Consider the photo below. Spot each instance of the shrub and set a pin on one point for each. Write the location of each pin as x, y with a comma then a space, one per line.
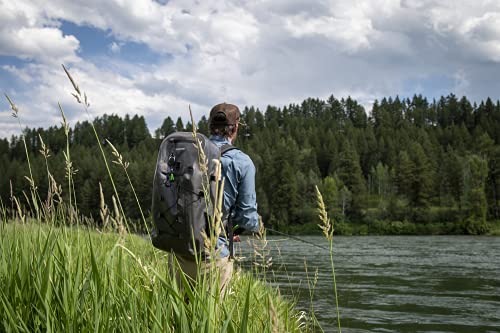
474, 226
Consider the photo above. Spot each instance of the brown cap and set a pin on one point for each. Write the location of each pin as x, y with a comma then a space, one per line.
224, 114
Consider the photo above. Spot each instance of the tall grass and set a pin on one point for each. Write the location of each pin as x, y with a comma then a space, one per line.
327, 228
81, 98
30, 178
113, 283
59, 275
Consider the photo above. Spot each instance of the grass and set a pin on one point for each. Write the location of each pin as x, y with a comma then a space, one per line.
68, 279
327, 227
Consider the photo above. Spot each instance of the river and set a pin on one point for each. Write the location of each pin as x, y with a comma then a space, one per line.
391, 283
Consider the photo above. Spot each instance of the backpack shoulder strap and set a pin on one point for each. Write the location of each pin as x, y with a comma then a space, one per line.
224, 149
227, 147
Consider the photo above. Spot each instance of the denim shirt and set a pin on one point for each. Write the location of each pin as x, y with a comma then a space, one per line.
240, 199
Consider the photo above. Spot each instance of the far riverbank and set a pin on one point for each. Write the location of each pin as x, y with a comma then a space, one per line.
390, 228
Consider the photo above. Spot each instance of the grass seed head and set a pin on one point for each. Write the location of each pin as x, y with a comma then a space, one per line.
22, 217
55, 189
103, 209
15, 109
31, 181
64, 123
80, 98
75, 86
45, 150
325, 225
118, 218
119, 158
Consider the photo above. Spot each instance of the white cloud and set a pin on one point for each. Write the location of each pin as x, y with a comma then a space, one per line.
26, 34
481, 33
9, 126
350, 33
43, 44
249, 52
472, 27
20, 74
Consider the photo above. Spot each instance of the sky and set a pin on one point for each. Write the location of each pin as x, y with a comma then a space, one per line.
157, 58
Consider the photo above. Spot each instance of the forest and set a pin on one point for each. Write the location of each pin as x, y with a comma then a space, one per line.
409, 166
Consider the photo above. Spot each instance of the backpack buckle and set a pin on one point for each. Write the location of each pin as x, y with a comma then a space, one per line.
169, 179
171, 160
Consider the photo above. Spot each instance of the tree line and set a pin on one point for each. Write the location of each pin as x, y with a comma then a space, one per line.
409, 166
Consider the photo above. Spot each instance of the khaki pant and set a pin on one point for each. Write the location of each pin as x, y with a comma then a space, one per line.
223, 267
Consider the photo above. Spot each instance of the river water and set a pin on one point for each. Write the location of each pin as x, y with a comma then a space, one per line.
391, 283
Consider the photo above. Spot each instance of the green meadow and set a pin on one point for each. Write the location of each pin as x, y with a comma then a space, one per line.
71, 279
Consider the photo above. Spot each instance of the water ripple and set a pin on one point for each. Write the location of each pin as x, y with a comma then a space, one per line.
393, 284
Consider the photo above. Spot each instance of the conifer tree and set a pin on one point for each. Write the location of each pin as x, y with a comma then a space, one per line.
421, 189
167, 127
349, 172
179, 125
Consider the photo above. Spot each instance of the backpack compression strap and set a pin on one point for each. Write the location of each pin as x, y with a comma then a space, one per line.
224, 149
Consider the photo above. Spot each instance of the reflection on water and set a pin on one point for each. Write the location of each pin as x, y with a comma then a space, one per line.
393, 284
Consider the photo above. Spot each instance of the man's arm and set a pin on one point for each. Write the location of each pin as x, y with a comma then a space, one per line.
245, 212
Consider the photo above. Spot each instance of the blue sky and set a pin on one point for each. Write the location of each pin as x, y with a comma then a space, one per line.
155, 58
96, 44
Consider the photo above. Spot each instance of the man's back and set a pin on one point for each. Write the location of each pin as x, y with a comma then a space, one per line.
240, 198
240, 202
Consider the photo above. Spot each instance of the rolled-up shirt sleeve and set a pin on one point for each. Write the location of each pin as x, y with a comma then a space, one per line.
239, 191
245, 212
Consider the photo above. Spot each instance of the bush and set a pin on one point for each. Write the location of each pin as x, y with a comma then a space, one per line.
385, 227
301, 229
362, 230
343, 228
494, 228
474, 226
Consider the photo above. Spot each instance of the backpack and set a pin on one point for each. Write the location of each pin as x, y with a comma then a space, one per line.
180, 212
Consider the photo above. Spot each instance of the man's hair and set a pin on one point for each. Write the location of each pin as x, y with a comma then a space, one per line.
223, 119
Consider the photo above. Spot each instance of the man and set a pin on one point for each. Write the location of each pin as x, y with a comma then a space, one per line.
238, 170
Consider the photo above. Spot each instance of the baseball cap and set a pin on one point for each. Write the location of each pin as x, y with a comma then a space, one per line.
224, 114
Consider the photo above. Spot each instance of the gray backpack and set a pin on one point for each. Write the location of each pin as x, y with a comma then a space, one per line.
180, 212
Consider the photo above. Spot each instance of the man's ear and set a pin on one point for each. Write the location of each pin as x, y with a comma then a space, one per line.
234, 132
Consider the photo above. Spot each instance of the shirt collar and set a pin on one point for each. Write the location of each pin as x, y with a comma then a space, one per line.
220, 140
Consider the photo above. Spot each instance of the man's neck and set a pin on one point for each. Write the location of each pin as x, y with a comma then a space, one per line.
222, 138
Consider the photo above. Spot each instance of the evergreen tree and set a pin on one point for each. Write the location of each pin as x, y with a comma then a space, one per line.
203, 126
167, 127
421, 188
429, 156
349, 172
330, 193
179, 125
474, 196
493, 183
405, 174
